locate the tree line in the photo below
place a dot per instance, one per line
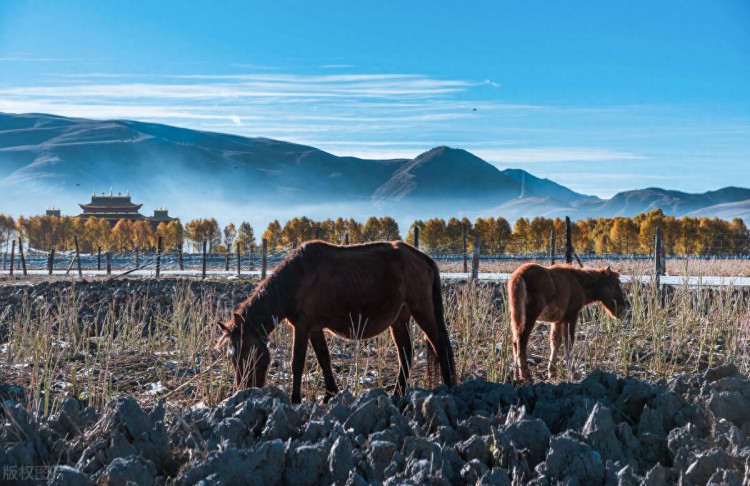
(622, 236)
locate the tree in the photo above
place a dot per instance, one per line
(142, 235)
(7, 228)
(389, 229)
(122, 236)
(172, 234)
(245, 237)
(230, 233)
(371, 230)
(199, 230)
(623, 236)
(273, 234)
(97, 233)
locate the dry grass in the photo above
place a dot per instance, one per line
(171, 355)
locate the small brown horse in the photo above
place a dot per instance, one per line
(356, 292)
(556, 294)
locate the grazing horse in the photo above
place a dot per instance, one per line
(556, 294)
(356, 292)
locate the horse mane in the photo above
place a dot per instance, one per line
(267, 305)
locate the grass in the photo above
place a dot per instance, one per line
(170, 355)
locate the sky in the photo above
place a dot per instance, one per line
(599, 96)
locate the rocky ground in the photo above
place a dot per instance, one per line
(606, 429)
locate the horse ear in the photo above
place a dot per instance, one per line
(224, 328)
(608, 271)
(238, 319)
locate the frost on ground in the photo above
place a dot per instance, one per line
(604, 430)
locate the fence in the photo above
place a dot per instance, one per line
(261, 260)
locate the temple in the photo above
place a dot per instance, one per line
(114, 208)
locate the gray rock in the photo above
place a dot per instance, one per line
(439, 410)
(599, 431)
(477, 447)
(68, 476)
(572, 459)
(305, 464)
(125, 471)
(378, 458)
(473, 470)
(528, 434)
(725, 477)
(705, 464)
(340, 459)
(497, 476)
(730, 405)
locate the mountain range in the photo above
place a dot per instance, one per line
(48, 160)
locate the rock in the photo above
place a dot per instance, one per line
(731, 406)
(477, 447)
(706, 464)
(527, 434)
(725, 477)
(378, 458)
(125, 471)
(340, 460)
(497, 476)
(570, 458)
(473, 470)
(599, 432)
(304, 464)
(439, 410)
(68, 476)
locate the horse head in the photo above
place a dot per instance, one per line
(611, 294)
(247, 351)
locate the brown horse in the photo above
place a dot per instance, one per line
(556, 294)
(356, 292)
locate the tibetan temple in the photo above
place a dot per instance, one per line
(114, 208)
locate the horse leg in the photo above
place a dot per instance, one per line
(570, 339)
(299, 350)
(559, 329)
(440, 348)
(318, 341)
(402, 340)
(523, 345)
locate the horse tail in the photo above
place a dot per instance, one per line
(444, 356)
(517, 304)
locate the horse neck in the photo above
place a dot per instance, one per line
(589, 281)
(267, 307)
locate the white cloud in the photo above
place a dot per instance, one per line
(552, 154)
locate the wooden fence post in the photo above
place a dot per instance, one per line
(51, 262)
(416, 237)
(204, 259)
(294, 244)
(137, 258)
(99, 258)
(466, 248)
(317, 233)
(158, 257)
(226, 263)
(475, 259)
(12, 255)
(239, 260)
(78, 256)
(346, 239)
(552, 247)
(568, 242)
(657, 257)
(109, 263)
(264, 259)
(20, 253)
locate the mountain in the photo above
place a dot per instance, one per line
(48, 160)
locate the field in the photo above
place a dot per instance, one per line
(100, 340)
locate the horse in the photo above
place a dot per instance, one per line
(355, 292)
(556, 294)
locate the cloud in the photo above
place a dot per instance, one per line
(236, 120)
(552, 154)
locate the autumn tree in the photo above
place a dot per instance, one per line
(245, 237)
(97, 233)
(121, 238)
(273, 234)
(230, 234)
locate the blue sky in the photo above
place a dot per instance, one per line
(599, 96)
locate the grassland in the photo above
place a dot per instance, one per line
(53, 351)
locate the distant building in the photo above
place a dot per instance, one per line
(53, 212)
(114, 208)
